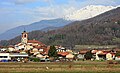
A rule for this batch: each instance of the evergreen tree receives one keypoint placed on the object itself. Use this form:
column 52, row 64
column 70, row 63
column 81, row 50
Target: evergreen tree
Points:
column 88, row 55
column 52, row 51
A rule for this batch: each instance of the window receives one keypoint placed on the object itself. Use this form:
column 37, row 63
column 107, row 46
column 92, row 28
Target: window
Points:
column 3, row 56
column 25, row 35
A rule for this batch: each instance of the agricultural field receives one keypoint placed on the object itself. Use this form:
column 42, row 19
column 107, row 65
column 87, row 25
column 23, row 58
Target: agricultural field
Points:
column 60, row 67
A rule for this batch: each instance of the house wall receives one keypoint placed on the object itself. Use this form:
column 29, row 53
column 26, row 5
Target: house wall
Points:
column 29, row 47
column 109, row 56
column 81, row 56
column 11, row 49
column 117, row 58
column 19, row 47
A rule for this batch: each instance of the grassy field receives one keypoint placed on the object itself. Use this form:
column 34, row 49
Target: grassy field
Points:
column 66, row 67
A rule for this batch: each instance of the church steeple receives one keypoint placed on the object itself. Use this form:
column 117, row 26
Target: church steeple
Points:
column 24, row 37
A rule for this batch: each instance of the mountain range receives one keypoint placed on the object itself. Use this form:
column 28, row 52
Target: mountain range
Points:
column 103, row 29
column 89, row 12
column 43, row 25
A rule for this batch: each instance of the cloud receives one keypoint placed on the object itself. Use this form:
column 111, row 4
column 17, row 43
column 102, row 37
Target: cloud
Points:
column 46, row 0
column 16, row 2
column 23, row 1
column 29, row 1
column 99, row 2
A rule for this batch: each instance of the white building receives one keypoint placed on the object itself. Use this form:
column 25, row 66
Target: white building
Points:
column 9, row 56
column 5, row 56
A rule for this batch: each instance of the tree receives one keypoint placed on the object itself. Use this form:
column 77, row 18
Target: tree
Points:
column 117, row 54
column 52, row 51
column 118, row 22
column 88, row 55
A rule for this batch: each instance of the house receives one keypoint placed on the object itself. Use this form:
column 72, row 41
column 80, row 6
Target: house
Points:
column 105, row 55
column 35, row 43
column 63, row 49
column 117, row 55
column 35, row 50
column 60, row 48
column 117, row 58
column 81, row 54
column 110, row 56
column 3, row 49
column 70, row 56
column 62, row 55
column 100, row 55
column 11, row 48
column 21, row 46
column 65, row 56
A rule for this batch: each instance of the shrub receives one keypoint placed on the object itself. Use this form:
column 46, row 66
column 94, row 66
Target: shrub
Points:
column 35, row 59
column 117, row 54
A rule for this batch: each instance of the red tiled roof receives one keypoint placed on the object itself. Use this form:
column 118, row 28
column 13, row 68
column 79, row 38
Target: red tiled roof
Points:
column 113, row 54
column 102, row 53
column 1, row 46
column 118, row 57
column 83, row 51
column 63, row 53
column 35, row 41
column 45, row 50
column 11, row 46
column 94, row 51
column 38, row 47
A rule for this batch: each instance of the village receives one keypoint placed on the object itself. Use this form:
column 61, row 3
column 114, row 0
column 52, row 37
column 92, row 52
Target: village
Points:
column 35, row 51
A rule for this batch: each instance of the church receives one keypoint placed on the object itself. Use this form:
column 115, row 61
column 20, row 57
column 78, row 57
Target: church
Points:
column 27, row 44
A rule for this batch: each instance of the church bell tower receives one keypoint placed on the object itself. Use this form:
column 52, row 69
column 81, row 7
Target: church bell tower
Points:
column 24, row 37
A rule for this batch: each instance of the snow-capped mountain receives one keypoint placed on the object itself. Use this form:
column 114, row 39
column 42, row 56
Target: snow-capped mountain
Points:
column 88, row 12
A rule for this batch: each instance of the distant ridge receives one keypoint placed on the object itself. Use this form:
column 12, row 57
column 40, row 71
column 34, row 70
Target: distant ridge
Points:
column 41, row 25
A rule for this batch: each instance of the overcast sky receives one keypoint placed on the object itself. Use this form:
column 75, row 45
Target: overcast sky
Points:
column 22, row 12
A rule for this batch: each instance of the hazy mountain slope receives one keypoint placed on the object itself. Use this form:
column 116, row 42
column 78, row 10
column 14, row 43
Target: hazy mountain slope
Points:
column 44, row 24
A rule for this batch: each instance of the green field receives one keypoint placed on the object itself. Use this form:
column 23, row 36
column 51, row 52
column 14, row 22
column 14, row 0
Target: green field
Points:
column 63, row 67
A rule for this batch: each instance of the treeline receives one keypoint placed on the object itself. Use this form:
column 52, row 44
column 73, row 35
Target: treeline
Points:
column 101, row 30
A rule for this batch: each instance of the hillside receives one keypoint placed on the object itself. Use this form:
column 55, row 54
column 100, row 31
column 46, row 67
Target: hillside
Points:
column 103, row 29
column 43, row 25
